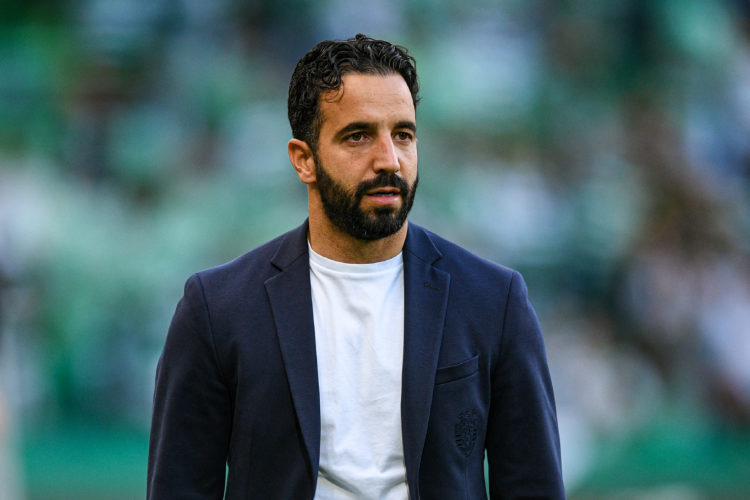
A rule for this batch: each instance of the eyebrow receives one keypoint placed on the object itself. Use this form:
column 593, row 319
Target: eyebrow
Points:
column 409, row 125
column 368, row 126
column 353, row 127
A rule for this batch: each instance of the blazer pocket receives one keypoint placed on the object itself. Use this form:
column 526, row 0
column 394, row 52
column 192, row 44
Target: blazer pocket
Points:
column 457, row 371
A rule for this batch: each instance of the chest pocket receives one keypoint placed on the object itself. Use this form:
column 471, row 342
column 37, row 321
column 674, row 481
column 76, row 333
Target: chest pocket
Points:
column 457, row 371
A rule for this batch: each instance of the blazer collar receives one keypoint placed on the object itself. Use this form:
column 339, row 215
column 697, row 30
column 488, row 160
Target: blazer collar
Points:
column 293, row 246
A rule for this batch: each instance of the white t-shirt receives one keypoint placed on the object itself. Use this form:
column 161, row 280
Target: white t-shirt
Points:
column 358, row 310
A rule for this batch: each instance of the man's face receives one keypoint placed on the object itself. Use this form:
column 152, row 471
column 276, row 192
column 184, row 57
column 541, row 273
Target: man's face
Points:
column 366, row 160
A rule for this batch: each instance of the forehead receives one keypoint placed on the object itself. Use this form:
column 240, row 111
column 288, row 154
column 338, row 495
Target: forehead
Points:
column 369, row 98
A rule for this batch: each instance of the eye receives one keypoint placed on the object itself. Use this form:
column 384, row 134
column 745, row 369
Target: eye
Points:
column 356, row 137
column 404, row 136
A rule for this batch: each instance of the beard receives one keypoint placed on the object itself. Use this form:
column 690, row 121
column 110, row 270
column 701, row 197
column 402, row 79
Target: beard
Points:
column 344, row 208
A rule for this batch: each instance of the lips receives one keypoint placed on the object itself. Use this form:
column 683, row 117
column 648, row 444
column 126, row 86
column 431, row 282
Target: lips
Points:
column 386, row 196
column 384, row 191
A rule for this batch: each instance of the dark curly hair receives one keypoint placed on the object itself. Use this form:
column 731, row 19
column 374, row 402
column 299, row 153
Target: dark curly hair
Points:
column 321, row 70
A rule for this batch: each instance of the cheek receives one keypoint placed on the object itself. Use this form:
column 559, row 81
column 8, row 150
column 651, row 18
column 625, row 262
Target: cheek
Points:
column 409, row 164
column 343, row 166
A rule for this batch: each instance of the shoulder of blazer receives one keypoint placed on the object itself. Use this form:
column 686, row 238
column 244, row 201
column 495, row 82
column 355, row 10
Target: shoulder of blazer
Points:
column 452, row 257
column 259, row 264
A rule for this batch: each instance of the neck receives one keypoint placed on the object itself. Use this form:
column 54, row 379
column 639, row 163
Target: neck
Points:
column 332, row 243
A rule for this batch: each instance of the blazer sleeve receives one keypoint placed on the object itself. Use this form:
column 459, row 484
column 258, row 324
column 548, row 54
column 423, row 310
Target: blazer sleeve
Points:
column 523, row 445
column 191, row 422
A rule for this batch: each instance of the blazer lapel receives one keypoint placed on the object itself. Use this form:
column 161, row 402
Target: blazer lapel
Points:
column 291, row 303
column 425, row 300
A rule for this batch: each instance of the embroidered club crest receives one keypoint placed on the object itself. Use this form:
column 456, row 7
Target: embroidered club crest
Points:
column 466, row 431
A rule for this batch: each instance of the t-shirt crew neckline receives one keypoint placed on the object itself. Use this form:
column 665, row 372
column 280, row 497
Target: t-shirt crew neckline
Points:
column 370, row 268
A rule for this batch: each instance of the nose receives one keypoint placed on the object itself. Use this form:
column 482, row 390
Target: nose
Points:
column 386, row 156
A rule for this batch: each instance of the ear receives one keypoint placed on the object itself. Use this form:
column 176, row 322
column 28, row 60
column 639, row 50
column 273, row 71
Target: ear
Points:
column 302, row 160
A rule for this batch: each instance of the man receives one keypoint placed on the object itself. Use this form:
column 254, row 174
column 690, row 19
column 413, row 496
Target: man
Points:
column 359, row 355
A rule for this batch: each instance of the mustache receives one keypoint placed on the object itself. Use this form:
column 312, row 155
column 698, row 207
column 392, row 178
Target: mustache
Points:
column 383, row 180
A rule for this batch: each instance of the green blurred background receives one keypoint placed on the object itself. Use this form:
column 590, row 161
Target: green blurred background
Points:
column 602, row 147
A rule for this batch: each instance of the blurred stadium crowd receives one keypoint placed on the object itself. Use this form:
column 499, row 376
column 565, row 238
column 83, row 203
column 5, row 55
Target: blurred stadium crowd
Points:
column 602, row 147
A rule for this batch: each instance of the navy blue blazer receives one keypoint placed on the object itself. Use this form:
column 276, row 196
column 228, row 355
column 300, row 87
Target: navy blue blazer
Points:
column 237, row 381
